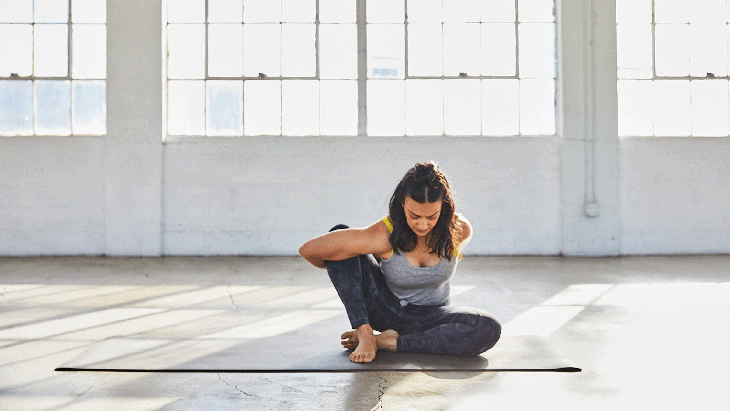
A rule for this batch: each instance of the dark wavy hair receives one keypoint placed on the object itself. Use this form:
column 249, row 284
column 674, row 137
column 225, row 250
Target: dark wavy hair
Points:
column 424, row 183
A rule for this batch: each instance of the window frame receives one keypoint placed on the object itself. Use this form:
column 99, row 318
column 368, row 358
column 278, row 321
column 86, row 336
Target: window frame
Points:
column 362, row 78
column 32, row 78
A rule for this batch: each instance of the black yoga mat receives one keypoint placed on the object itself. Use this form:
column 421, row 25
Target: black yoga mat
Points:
column 289, row 353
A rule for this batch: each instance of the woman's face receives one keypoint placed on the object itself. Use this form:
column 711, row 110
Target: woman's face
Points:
column 421, row 217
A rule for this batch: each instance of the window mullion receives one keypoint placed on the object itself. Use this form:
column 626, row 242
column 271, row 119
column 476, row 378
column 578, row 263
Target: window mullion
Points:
column 653, row 42
column 517, row 40
column 205, row 73
column 362, row 68
column 405, row 41
column 316, row 41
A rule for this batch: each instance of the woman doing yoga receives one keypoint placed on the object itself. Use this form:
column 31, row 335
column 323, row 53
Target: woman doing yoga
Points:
column 405, row 295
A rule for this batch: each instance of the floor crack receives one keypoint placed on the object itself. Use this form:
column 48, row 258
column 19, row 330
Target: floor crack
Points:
column 234, row 386
column 230, row 296
column 382, row 386
column 82, row 393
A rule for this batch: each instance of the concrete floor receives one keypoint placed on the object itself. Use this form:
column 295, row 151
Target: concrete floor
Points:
column 649, row 333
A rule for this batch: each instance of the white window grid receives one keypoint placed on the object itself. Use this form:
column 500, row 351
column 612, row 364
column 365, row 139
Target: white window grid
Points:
column 37, row 99
column 673, row 59
column 367, row 83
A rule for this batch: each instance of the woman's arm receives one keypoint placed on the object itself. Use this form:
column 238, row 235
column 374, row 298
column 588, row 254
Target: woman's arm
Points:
column 465, row 234
column 343, row 244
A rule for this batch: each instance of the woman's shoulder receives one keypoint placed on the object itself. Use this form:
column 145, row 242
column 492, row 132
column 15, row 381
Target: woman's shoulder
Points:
column 387, row 223
column 464, row 231
column 379, row 233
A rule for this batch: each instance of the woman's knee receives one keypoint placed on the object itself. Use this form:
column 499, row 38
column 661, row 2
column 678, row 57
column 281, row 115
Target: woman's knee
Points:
column 486, row 334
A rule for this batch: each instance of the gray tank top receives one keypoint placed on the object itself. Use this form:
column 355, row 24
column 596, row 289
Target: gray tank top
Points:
column 418, row 285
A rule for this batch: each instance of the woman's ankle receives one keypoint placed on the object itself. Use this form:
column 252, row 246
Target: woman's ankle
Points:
column 365, row 329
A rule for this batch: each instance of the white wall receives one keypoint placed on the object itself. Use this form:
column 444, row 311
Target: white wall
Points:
column 129, row 194
column 675, row 196
column 268, row 196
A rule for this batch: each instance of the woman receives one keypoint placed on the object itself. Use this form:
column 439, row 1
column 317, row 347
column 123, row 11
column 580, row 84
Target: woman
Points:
column 406, row 294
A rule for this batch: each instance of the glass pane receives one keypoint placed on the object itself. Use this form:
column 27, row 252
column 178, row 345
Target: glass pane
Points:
column 184, row 11
column 386, row 11
column 537, row 11
column 89, row 51
column 337, row 11
column 338, row 107
column 633, row 11
column 424, row 107
column 261, row 11
column 224, row 103
column 708, row 11
column 186, row 51
column 337, row 51
column 461, row 49
column 537, row 107
column 49, row 11
column 298, row 11
column 298, row 54
column 462, row 107
column 635, row 108
column 88, row 11
column 262, row 107
column 499, row 49
column 500, row 107
column 386, row 50
column 53, row 107
column 709, row 108
column 425, row 11
column 262, row 50
column 634, row 51
column 16, row 108
column 16, row 57
column 498, row 11
column 50, row 50
column 708, row 50
column 462, row 11
column 300, row 108
column 386, row 107
column 225, row 11
column 537, row 50
column 424, row 49
column 16, row 11
column 672, row 49
column 225, row 50
column 671, row 11
column 672, row 108
column 186, row 108
column 89, row 107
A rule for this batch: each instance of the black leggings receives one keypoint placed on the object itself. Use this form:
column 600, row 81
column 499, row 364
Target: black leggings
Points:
column 427, row 329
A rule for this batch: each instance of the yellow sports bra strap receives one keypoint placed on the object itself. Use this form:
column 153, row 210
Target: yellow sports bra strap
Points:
column 387, row 222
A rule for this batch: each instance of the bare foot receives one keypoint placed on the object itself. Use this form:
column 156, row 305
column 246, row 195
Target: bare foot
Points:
column 387, row 340
column 349, row 340
column 366, row 346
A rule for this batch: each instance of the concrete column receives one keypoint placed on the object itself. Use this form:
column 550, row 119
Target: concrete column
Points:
column 587, row 104
column 133, row 153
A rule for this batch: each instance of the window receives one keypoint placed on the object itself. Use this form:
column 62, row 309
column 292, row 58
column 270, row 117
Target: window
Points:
column 293, row 67
column 52, row 67
column 672, row 67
